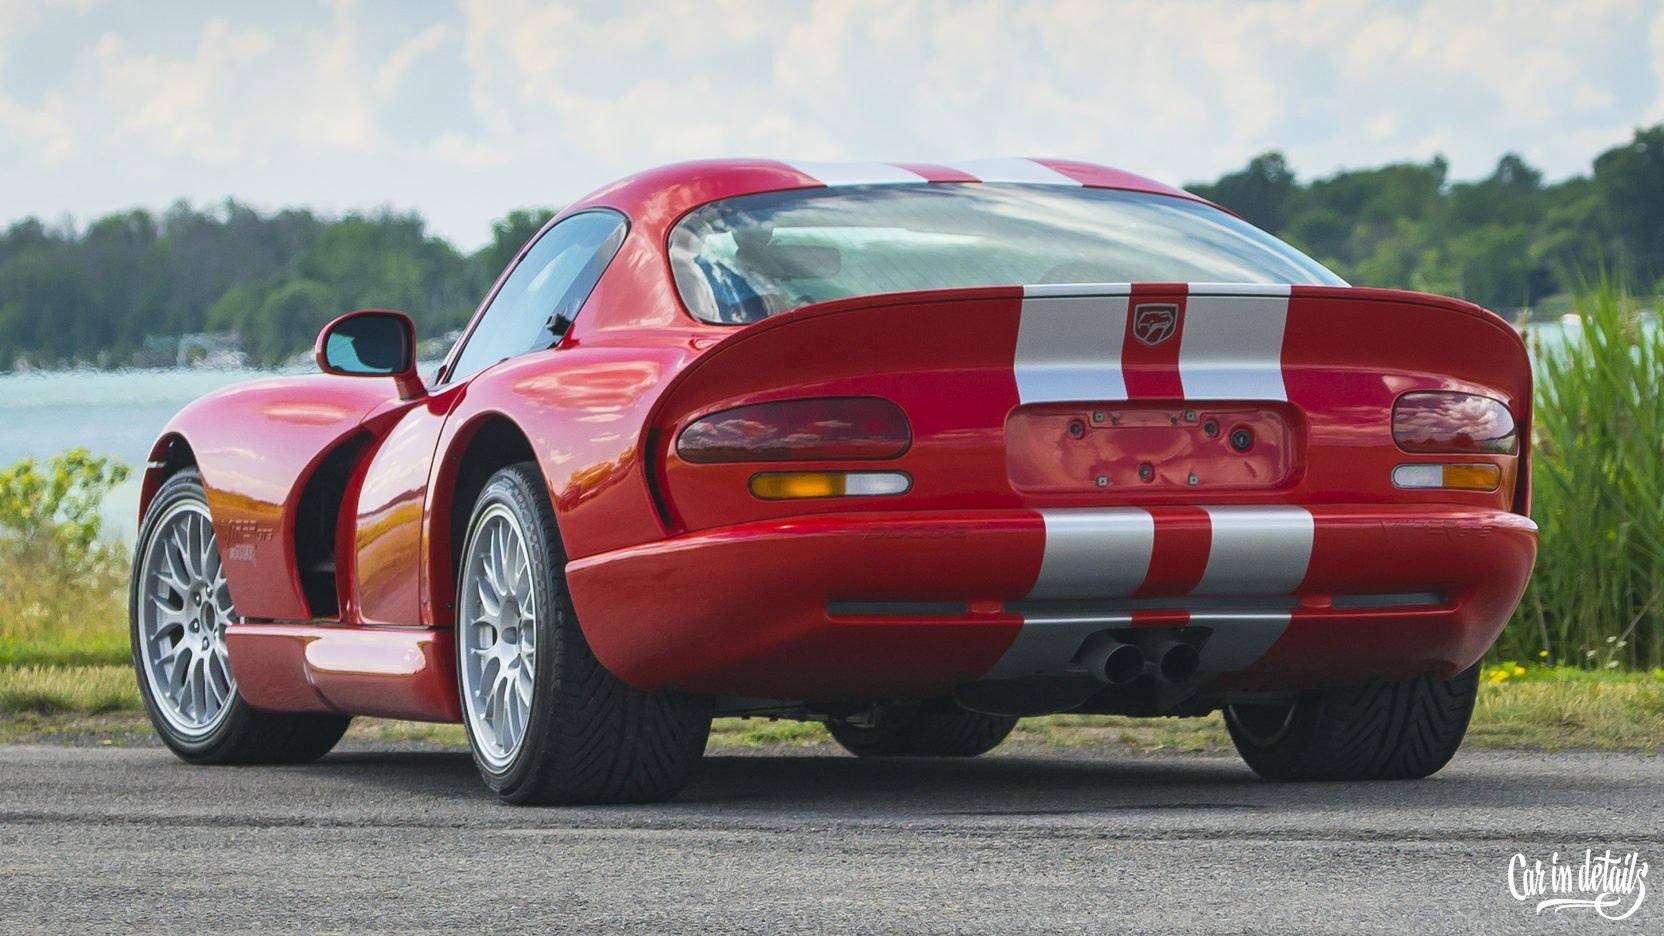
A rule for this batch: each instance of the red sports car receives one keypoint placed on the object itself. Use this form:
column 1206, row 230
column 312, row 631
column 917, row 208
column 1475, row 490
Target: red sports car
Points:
column 911, row 450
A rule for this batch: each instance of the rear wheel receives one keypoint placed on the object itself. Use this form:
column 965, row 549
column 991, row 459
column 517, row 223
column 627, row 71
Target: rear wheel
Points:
column 546, row 721
column 178, row 609
column 922, row 731
column 1380, row 731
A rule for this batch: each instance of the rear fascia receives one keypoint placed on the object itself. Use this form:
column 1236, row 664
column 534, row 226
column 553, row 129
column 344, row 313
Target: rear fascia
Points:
column 756, row 584
column 909, row 605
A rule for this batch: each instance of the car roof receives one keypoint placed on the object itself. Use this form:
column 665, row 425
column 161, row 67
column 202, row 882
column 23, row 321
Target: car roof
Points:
column 666, row 193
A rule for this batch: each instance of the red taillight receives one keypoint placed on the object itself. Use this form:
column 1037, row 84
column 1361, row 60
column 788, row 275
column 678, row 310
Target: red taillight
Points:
column 830, row 429
column 1442, row 421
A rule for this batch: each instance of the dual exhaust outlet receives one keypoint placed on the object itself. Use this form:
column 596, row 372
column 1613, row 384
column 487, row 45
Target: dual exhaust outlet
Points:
column 1118, row 663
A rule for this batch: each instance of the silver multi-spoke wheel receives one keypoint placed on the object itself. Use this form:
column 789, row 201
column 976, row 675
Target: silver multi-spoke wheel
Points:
column 546, row 722
column 498, row 630
column 183, row 608
column 178, row 607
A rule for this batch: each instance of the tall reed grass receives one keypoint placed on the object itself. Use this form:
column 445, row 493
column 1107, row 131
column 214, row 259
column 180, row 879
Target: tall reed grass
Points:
column 1596, row 599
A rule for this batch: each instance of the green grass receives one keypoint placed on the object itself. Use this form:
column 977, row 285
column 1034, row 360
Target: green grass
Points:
column 1544, row 709
column 49, row 690
column 51, row 618
column 1554, row 708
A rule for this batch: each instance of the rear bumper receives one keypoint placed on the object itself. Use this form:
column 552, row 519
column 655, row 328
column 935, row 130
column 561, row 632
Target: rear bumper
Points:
column 899, row 605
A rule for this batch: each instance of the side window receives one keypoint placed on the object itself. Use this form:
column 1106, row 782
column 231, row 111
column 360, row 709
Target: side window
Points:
column 544, row 292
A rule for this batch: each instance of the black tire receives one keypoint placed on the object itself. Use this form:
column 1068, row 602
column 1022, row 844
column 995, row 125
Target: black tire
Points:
column 1380, row 731
column 933, row 730
column 588, row 737
column 244, row 735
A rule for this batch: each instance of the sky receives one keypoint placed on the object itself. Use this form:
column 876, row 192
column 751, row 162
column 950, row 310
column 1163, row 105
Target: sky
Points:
column 466, row 110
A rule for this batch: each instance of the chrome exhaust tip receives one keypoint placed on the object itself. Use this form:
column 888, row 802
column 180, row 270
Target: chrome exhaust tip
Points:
column 1176, row 661
column 1112, row 661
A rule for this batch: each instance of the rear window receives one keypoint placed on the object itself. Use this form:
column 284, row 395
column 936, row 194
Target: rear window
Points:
column 743, row 259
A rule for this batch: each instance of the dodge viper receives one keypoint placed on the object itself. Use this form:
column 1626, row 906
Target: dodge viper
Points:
column 909, row 450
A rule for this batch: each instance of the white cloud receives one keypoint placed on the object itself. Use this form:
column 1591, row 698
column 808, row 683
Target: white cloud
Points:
column 44, row 131
column 41, row 130
column 240, row 95
column 520, row 101
column 13, row 15
column 626, row 90
column 391, row 73
column 1655, row 37
column 463, row 150
column 1181, row 90
column 179, row 105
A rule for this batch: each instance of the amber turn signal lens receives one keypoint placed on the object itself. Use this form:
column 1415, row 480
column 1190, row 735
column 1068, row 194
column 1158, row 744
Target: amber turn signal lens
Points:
column 1472, row 477
column 797, row 485
column 1477, row 477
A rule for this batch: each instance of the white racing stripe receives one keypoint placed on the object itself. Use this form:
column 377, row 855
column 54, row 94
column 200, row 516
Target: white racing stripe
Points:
column 1045, row 644
column 1021, row 171
column 1069, row 345
column 1095, row 552
column 1044, row 290
column 1257, row 550
column 1232, row 344
column 1104, row 554
column 834, row 173
column 1238, row 640
column 1071, row 337
column 1092, row 552
column 1069, row 348
column 1240, row 289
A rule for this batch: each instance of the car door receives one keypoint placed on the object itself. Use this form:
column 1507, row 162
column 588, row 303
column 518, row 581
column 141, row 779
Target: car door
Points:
column 529, row 311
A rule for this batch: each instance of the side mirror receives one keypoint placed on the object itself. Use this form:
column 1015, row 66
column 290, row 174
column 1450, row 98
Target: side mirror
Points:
column 372, row 343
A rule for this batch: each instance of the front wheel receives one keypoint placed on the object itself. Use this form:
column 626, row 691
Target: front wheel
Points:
column 547, row 723
column 178, row 609
column 1401, row 730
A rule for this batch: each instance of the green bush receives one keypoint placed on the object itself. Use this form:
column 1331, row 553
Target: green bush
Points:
column 53, row 515
column 1597, row 596
column 61, row 581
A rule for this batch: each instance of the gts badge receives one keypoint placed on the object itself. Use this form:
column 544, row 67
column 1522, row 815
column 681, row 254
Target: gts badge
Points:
column 241, row 535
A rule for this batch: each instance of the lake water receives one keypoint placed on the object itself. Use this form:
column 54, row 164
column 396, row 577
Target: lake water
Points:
column 117, row 413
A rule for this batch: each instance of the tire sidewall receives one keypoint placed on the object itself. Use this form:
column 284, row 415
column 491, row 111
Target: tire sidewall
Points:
column 1361, row 732
column 1282, row 756
column 184, row 486
column 509, row 488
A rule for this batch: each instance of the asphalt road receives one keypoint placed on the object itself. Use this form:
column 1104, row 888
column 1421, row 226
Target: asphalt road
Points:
column 128, row 840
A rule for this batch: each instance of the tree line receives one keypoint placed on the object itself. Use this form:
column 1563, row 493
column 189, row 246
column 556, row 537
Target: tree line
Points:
column 123, row 289
column 1507, row 241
